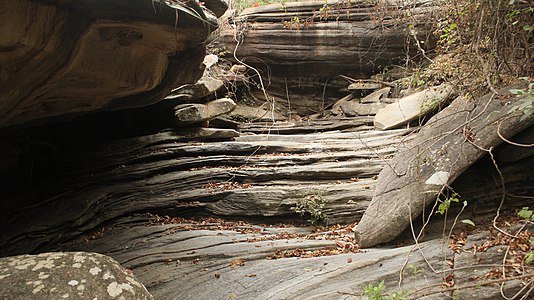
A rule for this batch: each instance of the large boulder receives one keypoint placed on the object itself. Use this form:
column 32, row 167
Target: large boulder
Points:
column 65, row 57
column 422, row 170
column 67, row 275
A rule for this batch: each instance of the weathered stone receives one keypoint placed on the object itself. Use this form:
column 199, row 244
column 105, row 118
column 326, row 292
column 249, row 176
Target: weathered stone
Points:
column 63, row 58
column 356, row 108
column 82, row 188
column 67, row 275
column 332, row 38
column 238, row 263
column 198, row 113
column 357, row 86
column 209, row 134
column 206, row 86
column 210, row 60
column 412, row 107
column 336, row 107
column 376, row 95
column 251, row 113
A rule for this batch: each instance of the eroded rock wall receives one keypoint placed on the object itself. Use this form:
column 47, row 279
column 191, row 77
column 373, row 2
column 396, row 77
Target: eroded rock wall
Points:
column 62, row 58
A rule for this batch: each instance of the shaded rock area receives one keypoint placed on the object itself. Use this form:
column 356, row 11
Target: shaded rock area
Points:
column 68, row 275
column 198, row 113
column 62, row 58
column 255, row 175
column 302, row 48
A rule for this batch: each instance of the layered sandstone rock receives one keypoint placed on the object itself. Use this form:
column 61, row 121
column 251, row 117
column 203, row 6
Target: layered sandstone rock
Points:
column 61, row 58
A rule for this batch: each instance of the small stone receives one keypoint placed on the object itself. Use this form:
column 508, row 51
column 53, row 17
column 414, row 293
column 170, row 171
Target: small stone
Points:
column 73, row 282
column 438, row 178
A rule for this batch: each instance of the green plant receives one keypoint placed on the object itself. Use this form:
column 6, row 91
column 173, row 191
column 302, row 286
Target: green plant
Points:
column 529, row 257
column 373, row 292
column 445, row 202
column 376, row 292
column 525, row 103
column 528, row 214
column 313, row 205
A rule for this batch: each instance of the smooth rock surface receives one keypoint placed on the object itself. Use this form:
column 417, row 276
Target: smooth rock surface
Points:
column 412, row 107
column 246, row 113
column 441, row 145
column 217, row 260
column 356, row 108
column 376, row 95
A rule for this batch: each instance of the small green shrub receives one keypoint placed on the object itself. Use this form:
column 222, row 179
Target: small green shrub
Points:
column 528, row 214
column 524, row 105
column 376, row 292
column 313, row 205
column 446, row 202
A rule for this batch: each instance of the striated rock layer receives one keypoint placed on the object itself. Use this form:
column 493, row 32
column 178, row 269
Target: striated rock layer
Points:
column 298, row 46
column 62, row 58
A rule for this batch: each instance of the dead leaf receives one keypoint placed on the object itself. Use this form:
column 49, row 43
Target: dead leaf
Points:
column 251, row 275
column 238, row 262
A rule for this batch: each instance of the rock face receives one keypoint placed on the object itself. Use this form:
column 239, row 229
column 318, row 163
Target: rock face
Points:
column 72, row 275
column 66, row 57
column 325, row 39
column 301, row 48
column 253, row 176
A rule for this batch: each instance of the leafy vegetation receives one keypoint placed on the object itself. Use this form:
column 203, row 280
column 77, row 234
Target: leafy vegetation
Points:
column 313, row 205
column 376, row 292
column 524, row 105
column 489, row 41
column 445, row 202
column 528, row 214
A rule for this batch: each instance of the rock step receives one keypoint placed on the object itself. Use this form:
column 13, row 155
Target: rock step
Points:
column 252, row 176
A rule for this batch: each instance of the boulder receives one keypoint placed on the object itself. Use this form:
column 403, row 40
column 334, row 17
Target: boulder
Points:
column 376, row 96
column 68, row 275
column 63, row 58
column 409, row 108
column 198, row 113
column 202, row 88
column 447, row 145
column 355, row 108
